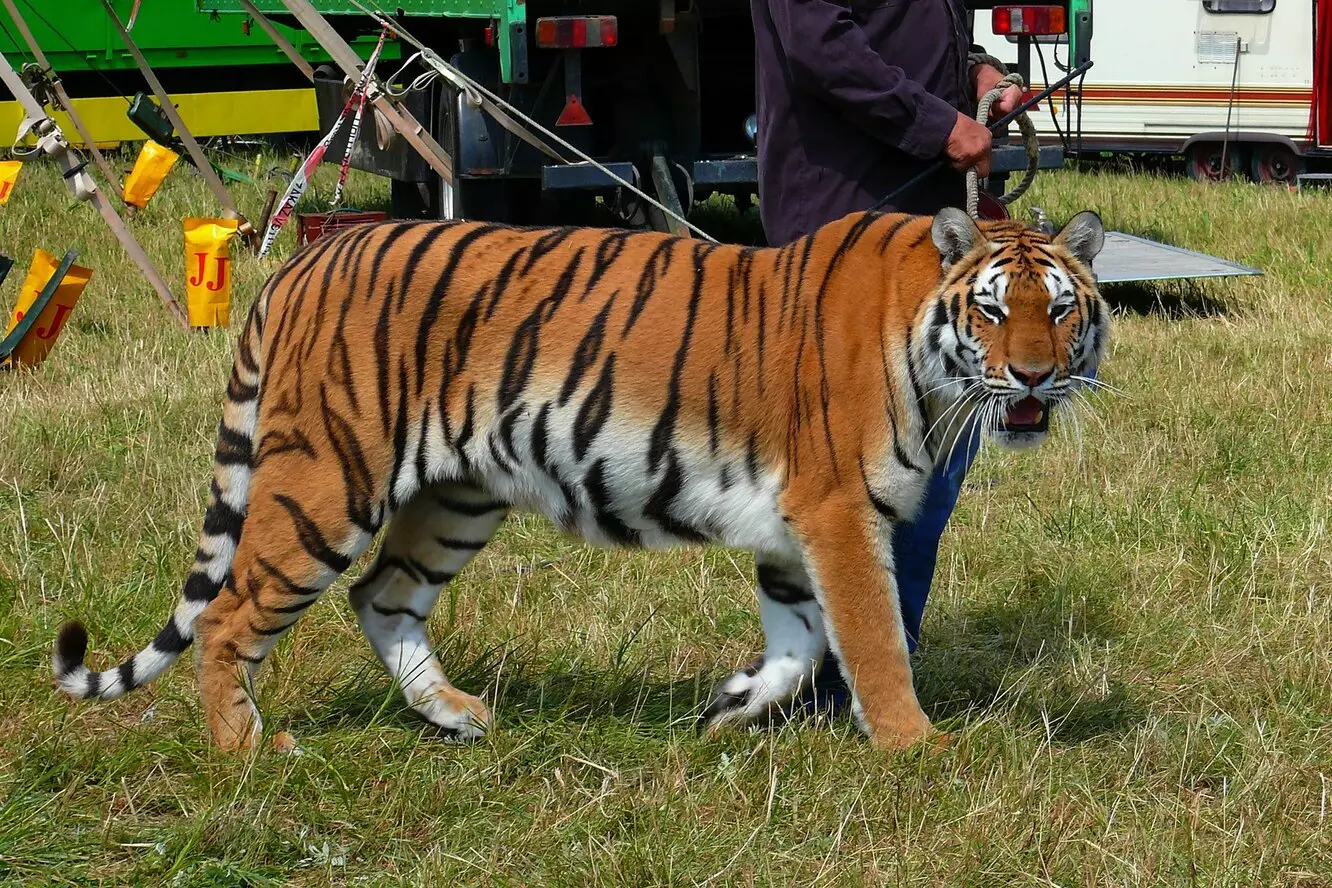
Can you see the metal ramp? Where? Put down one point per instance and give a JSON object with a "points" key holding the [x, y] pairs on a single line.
{"points": [[1130, 259]]}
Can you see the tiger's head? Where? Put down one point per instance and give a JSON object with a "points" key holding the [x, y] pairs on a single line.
{"points": [[1018, 325]]}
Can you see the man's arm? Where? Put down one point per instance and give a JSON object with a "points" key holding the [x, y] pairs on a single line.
{"points": [[830, 55]]}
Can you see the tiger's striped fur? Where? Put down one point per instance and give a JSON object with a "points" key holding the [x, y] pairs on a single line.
{"points": [[636, 388]]}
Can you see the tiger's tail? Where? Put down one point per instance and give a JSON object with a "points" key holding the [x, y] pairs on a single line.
{"points": [[233, 459]]}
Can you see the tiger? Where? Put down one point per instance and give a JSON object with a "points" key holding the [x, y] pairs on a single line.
{"points": [[637, 388]]}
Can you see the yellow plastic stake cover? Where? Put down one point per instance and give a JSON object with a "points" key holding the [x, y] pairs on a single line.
{"points": [[150, 170], [42, 335], [208, 270], [9, 170]]}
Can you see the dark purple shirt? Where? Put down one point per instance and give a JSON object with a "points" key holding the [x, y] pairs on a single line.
{"points": [[855, 97]]}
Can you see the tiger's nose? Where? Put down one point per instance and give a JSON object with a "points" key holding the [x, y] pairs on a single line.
{"points": [[1030, 378]]}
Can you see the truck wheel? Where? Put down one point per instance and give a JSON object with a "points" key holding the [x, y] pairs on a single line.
{"points": [[1206, 164], [1275, 163]]}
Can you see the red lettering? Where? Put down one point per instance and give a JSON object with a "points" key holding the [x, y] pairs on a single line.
{"points": [[221, 275], [5, 188], [51, 331], [198, 277]]}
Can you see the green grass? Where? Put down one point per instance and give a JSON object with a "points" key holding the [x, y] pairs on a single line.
{"points": [[1132, 638]]}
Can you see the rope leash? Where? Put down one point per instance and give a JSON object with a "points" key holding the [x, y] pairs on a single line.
{"points": [[1030, 141]]}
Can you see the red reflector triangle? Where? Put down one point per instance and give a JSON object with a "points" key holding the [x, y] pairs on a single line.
{"points": [[574, 114]]}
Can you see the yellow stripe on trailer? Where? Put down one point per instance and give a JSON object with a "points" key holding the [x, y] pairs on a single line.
{"points": [[255, 112]]}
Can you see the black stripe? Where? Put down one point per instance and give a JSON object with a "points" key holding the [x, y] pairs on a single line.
{"points": [[880, 505], [200, 587], [276, 630], [239, 393], [396, 612], [243, 657], [94, 684], [545, 244], [289, 586], [434, 577], [169, 641], [399, 435], [664, 431], [647, 281], [506, 430], [892, 232], [780, 591], [612, 244], [473, 510], [595, 410], [501, 287], [382, 358], [126, 671], [610, 523], [461, 545], [658, 508], [274, 442], [430, 314], [520, 360], [751, 457], [714, 415], [310, 538], [356, 477], [220, 519], [589, 347]]}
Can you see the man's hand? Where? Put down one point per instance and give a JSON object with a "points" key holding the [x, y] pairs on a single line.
{"points": [[984, 78], [969, 145]]}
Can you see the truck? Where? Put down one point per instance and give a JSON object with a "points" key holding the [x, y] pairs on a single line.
{"points": [[1235, 87], [660, 93]]}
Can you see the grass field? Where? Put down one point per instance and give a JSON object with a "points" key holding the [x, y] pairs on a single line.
{"points": [[1132, 639]]}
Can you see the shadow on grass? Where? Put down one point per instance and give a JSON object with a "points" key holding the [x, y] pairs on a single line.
{"points": [[521, 684], [1012, 660], [1009, 660], [1172, 300]]}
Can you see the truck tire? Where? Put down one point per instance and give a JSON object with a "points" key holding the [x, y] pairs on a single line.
{"points": [[1275, 163], [1205, 161]]}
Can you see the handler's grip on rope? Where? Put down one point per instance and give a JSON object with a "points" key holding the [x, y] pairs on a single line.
{"points": [[1029, 141]]}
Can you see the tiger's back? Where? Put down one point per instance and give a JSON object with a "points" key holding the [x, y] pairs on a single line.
{"points": [[636, 388]]}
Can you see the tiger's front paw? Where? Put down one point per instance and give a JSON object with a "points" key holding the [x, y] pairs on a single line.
{"points": [[756, 694]]}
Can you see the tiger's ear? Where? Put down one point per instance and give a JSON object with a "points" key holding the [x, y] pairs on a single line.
{"points": [[1083, 236], [955, 234]]}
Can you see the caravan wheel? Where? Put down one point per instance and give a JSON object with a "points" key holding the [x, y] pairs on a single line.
{"points": [[1214, 162], [1275, 164]]}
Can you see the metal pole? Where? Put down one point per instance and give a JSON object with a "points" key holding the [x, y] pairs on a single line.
{"points": [[51, 141], [62, 101], [399, 117], [196, 153]]}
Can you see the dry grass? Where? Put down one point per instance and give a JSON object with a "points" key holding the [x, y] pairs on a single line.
{"points": [[1133, 639]]}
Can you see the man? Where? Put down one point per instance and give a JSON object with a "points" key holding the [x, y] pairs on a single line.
{"points": [[855, 98]]}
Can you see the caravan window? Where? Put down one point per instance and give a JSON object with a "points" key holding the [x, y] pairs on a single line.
{"points": [[1259, 6]]}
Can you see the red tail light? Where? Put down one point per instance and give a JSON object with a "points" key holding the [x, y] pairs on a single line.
{"points": [[577, 31], [1029, 21]]}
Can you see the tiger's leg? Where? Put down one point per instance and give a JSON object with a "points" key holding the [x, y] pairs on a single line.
{"points": [[849, 559], [298, 539], [427, 543], [795, 644]]}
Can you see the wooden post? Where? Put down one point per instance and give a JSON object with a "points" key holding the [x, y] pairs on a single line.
{"points": [[196, 153]]}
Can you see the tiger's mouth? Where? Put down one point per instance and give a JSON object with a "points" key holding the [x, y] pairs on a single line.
{"points": [[1027, 415]]}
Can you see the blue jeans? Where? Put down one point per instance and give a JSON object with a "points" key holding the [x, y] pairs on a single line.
{"points": [[915, 552]]}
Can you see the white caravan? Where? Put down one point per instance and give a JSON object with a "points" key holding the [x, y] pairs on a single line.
{"points": [[1236, 86]]}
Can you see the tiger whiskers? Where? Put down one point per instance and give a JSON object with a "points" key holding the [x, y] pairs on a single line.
{"points": [[955, 409]]}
